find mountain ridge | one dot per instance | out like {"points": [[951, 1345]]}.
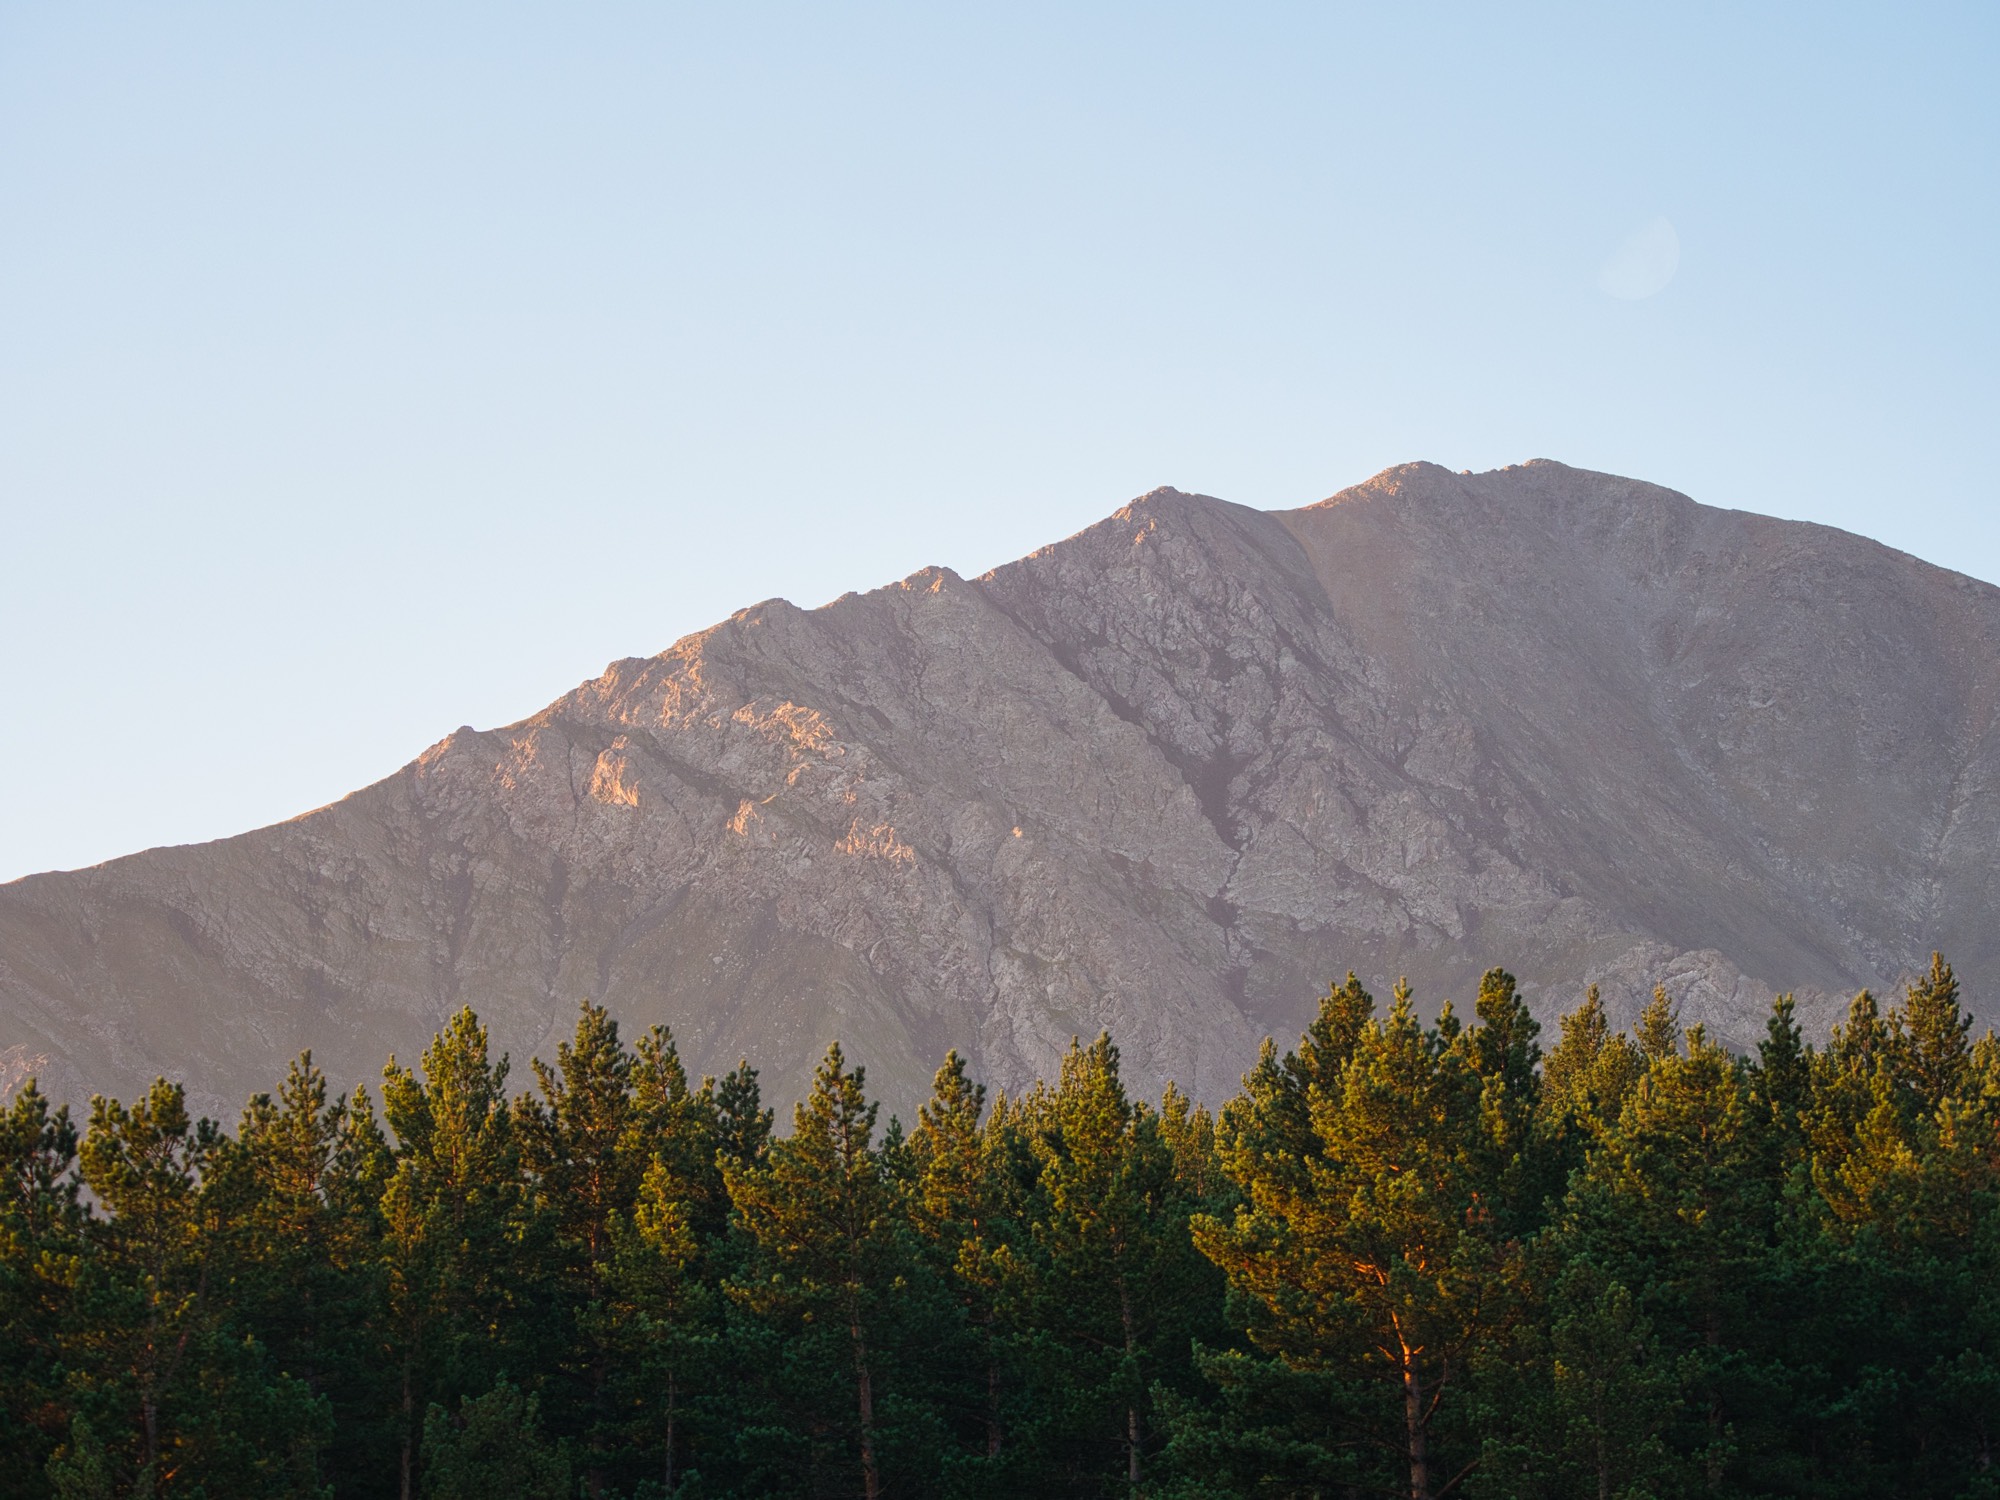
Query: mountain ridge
{"points": [[1168, 776]]}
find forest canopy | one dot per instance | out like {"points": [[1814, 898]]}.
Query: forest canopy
{"points": [[1416, 1259]]}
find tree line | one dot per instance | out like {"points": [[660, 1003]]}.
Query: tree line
{"points": [[1407, 1258]]}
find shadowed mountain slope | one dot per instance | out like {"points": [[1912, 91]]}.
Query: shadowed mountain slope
{"points": [[1166, 777]]}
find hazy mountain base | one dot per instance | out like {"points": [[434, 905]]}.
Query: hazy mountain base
{"points": [[1156, 779]]}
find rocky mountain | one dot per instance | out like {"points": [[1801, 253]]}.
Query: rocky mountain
{"points": [[1166, 777]]}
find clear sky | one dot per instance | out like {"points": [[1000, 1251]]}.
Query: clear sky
{"points": [[369, 370]]}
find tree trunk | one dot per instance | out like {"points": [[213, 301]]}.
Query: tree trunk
{"points": [[671, 1392], [593, 1474], [1131, 1408], [149, 1411], [992, 1409], [864, 1395], [149, 1402], [1415, 1422], [407, 1492]]}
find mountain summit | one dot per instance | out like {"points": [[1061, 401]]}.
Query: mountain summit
{"points": [[1167, 777]]}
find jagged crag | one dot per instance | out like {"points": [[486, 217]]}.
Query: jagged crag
{"points": [[1164, 778]]}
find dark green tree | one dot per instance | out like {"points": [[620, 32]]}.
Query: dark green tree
{"points": [[823, 1216], [41, 1241], [144, 1165], [662, 1308], [456, 1221], [1383, 1251], [1115, 1286], [959, 1208], [303, 1181], [492, 1446], [176, 1400], [585, 1162]]}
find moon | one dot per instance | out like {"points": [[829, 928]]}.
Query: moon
{"points": [[1642, 266]]}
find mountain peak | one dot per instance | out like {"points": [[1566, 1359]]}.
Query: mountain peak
{"points": [[1165, 777]]}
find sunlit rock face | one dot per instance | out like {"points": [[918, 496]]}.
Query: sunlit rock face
{"points": [[1165, 778]]}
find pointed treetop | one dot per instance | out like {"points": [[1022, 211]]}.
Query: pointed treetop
{"points": [[1659, 1030]]}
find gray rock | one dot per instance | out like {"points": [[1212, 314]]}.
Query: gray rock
{"points": [[1167, 778]]}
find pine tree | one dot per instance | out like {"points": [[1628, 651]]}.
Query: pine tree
{"points": [[1903, 1130], [742, 1123], [821, 1211], [1659, 1030], [661, 1309], [577, 1146], [1680, 1205], [1586, 1078], [1505, 1055], [958, 1212], [492, 1446], [1394, 1266], [1782, 1079], [684, 1131], [1929, 1036], [172, 1398], [1864, 1038], [41, 1241], [1580, 1402], [144, 1165], [1189, 1131], [301, 1257], [455, 1221], [1117, 1285], [1776, 1275]]}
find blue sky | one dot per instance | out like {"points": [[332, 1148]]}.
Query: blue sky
{"points": [[369, 370]]}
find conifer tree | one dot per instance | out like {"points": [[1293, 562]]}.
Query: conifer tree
{"points": [[683, 1131], [958, 1211], [577, 1146], [657, 1309], [492, 1446], [1782, 1078], [743, 1125], [1658, 1032], [820, 1210], [1115, 1278], [41, 1242], [1680, 1206], [1189, 1131], [1632, 1269], [1930, 1036], [455, 1218], [660, 1302], [306, 1177], [179, 1401], [1518, 1179], [1863, 1040], [144, 1165], [1590, 1071], [1395, 1265], [1580, 1402]]}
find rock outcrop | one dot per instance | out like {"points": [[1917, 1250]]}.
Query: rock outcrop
{"points": [[1166, 777]]}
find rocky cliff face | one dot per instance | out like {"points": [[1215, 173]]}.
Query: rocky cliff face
{"points": [[1166, 778]]}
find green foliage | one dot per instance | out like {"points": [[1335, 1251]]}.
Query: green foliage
{"points": [[827, 1258], [491, 1446], [1382, 1249], [1408, 1256], [1111, 1287], [41, 1244], [80, 1469], [456, 1219]]}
